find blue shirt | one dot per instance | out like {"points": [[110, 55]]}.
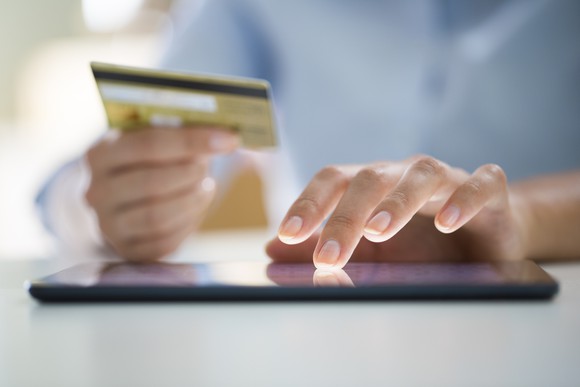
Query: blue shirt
{"points": [[469, 82]]}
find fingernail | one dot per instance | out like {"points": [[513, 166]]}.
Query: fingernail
{"points": [[223, 141], [291, 227], [379, 223], [449, 217], [328, 255], [208, 184]]}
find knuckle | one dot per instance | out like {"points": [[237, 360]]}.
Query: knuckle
{"points": [[415, 157], [399, 200], [473, 187], [331, 172], [372, 175], [307, 204], [495, 172], [429, 166], [341, 221]]}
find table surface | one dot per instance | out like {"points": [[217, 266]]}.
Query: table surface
{"points": [[483, 343]]}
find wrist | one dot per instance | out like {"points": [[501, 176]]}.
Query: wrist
{"points": [[547, 212], [525, 223]]}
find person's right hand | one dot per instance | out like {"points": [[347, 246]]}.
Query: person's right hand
{"points": [[151, 188]]}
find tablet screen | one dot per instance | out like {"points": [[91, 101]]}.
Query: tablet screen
{"points": [[258, 274]]}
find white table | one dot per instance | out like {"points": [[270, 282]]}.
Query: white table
{"points": [[513, 343]]}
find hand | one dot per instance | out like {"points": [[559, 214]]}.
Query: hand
{"points": [[418, 209], [151, 188]]}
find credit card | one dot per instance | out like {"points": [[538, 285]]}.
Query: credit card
{"points": [[135, 98]]}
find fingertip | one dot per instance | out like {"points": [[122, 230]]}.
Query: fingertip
{"points": [[323, 265], [376, 238], [291, 240], [296, 240], [328, 266], [442, 229]]}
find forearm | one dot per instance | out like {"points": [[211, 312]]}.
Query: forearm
{"points": [[551, 215]]}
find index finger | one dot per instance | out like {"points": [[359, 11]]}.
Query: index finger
{"points": [[160, 145], [315, 203]]}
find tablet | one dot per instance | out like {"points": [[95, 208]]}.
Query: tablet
{"points": [[259, 281]]}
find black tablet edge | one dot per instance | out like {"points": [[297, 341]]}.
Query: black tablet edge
{"points": [[51, 293]]}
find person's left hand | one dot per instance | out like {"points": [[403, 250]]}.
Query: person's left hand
{"points": [[418, 209]]}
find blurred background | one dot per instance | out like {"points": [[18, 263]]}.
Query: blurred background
{"points": [[50, 109]]}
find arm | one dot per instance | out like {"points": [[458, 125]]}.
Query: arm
{"points": [[551, 215]]}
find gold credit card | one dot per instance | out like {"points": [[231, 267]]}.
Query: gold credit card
{"points": [[135, 98]]}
